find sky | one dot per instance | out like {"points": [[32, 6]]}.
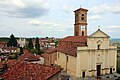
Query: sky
{"points": [[55, 18]]}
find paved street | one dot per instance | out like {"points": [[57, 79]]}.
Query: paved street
{"points": [[113, 76]]}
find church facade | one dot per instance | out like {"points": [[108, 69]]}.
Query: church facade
{"points": [[81, 55]]}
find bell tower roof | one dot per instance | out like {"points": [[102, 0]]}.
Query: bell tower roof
{"points": [[82, 9]]}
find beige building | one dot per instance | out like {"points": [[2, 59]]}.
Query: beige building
{"points": [[81, 55]]}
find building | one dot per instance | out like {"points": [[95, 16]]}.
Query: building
{"points": [[81, 55], [20, 70], [47, 43], [50, 56], [21, 42], [29, 57], [10, 50]]}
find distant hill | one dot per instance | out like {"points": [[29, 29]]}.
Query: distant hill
{"points": [[115, 39]]}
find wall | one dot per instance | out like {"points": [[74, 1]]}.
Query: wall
{"points": [[50, 58], [70, 66]]}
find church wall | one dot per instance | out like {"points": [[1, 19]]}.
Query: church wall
{"points": [[94, 42], [87, 60], [82, 63], [62, 61]]}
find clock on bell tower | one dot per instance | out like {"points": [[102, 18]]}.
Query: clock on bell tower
{"points": [[80, 26]]}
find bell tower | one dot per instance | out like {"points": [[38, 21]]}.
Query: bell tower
{"points": [[80, 26]]}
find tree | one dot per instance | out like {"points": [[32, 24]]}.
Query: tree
{"points": [[34, 51], [12, 41], [56, 43], [37, 44], [30, 44], [21, 50]]}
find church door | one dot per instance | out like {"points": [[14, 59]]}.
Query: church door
{"points": [[98, 70], [110, 70], [83, 74]]}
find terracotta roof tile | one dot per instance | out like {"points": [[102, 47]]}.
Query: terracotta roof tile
{"points": [[51, 50], [72, 47], [3, 43], [20, 70], [28, 57], [69, 50], [82, 39], [9, 48]]}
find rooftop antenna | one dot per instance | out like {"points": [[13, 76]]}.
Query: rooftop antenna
{"points": [[80, 6], [99, 27]]}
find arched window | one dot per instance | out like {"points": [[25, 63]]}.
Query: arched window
{"points": [[82, 17], [98, 47], [82, 33]]}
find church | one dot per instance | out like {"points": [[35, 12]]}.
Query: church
{"points": [[82, 55]]}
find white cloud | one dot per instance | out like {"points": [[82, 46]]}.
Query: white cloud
{"points": [[104, 8], [67, 8], [23, 8], [43, 23], [94, 17], [113, 27], [50, 26]]}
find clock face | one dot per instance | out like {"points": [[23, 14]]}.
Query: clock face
{"points": [[82, 27]]}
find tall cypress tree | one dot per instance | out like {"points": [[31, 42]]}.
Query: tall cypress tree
{"points": [[30, 44], [12, 41], [37, 44]]}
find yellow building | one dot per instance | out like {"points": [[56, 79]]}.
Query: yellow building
{"points": [[81, 55]]}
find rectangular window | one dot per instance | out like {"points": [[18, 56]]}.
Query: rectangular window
{"points": [[58, 55], [67, 58], [98, 47]]}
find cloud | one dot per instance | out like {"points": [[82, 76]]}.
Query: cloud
{"points": [[67, 8], [23, 8], [94, 17], [106, 8], [113, 27], [50, 26], [43, 23]]}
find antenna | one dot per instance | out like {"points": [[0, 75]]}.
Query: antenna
{"points": [[80, 6], [99, 27]]}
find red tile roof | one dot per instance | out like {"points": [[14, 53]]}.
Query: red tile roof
{"points": [[28, 57], [9, 48], [51, 50], [69, 50], [3, 43], [82, 39], [20, 70], [25, 51], [69, 45]]}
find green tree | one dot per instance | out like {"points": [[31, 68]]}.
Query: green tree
{"points": [[34, 51], [12, 41], [56, 43], [12, 56], [30, 44], [37, 44], [21, 50]]}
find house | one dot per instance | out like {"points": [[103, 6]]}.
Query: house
{"points": [[29, 57], [82, 55], [10, 49], [3, 44], [50, 56], [47, 43], [20, 70]]}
